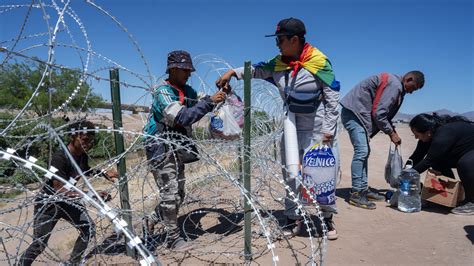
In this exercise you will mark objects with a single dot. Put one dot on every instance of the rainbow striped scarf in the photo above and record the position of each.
(312, 60)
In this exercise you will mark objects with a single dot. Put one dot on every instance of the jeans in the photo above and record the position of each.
(360, 142)
(46, 217)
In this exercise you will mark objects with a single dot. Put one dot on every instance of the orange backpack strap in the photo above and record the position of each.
(180, 92)
(379, 91)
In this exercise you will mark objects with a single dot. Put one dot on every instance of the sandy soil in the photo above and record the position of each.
(374, 237)
(388, 236)
(384, 236)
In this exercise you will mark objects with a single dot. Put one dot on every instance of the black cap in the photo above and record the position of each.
(180, 59)
(289, 27)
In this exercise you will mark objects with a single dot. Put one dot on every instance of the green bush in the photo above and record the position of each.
(24, 176)
(39, 148)
(104, 145)
(7, 169)
(11, 174)
(18, 81)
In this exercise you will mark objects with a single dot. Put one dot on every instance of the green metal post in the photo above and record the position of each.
(241, 167)
(246, 163)
(119, 149)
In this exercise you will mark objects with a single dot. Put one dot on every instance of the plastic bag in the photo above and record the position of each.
(393, 167)
(319, 176)
(228, 119)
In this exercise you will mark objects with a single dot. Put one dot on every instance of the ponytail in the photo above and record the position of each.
(426, 122)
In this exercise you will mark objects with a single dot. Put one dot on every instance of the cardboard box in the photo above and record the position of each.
(442, 190)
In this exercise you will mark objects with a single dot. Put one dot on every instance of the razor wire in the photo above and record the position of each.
(212, 212)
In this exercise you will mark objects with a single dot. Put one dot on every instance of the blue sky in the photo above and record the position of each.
(361, 38)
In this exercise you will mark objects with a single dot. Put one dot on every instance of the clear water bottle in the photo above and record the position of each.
(409, 199)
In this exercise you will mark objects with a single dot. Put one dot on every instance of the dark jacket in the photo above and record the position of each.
(448, 144)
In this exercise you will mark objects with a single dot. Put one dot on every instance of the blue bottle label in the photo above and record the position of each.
(404, 185)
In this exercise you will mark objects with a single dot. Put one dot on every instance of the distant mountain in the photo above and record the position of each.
(445, 112)
(469, 115)
(403, 117)
(407, 117)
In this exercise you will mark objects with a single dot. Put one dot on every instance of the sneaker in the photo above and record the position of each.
(466, 209)
(374, 196)
(359, 199)
(331, 233)
(292, 227)
(180, 245)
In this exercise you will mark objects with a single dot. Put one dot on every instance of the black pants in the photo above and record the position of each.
(465, 167)
(46, 215)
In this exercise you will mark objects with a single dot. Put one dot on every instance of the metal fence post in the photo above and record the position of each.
(246, 163)
(119, 149)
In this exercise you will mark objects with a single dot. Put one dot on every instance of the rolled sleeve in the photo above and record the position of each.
(257, 72)
(331, 100)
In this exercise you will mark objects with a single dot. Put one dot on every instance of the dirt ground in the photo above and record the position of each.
(388, 236)
(384, 236)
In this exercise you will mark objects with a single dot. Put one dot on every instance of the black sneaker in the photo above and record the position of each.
(292, 227)
(374, 196)
(359, 199)
(331, 233)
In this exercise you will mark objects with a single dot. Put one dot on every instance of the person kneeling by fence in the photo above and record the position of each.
(68, 204)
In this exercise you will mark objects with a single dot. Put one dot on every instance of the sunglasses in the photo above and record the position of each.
(279, 40)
